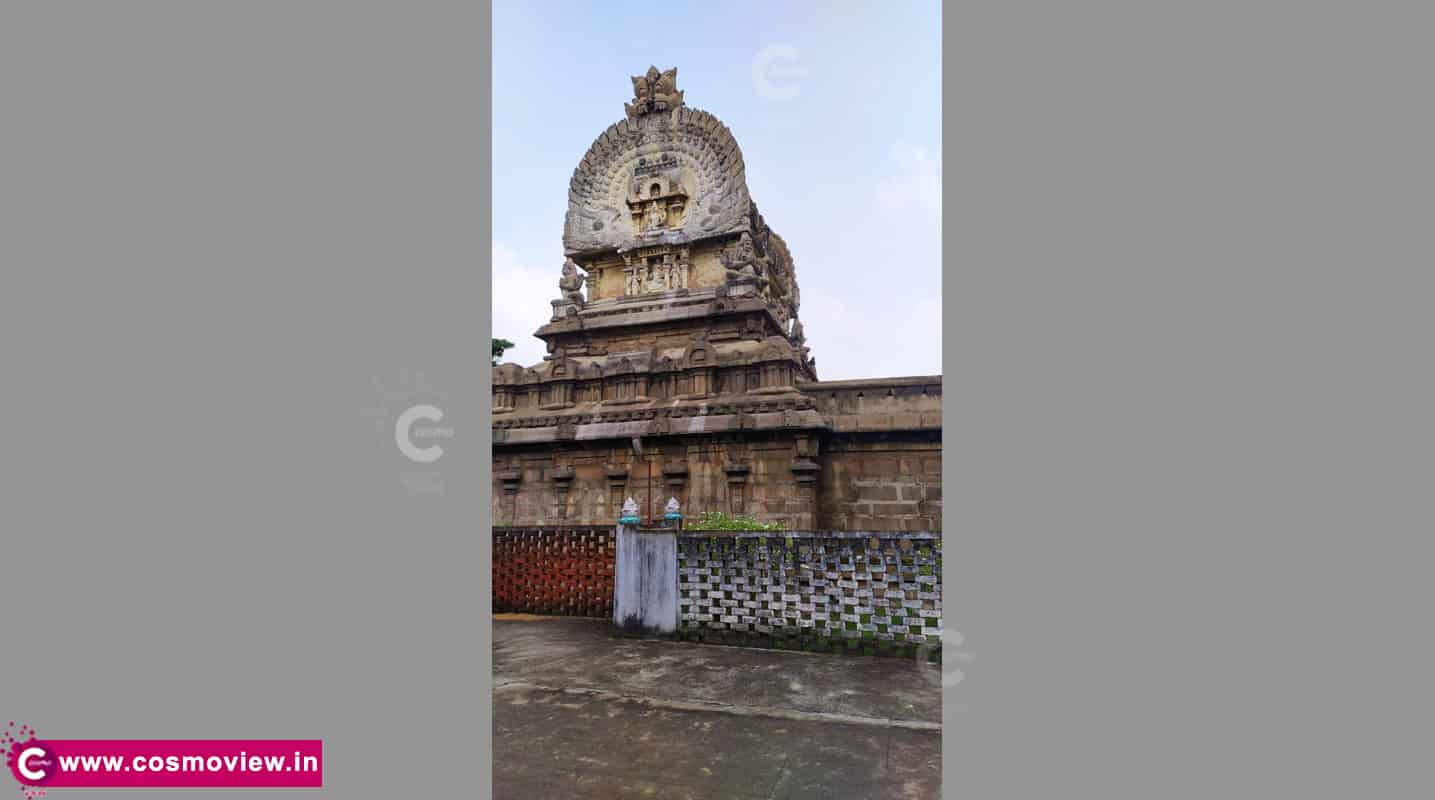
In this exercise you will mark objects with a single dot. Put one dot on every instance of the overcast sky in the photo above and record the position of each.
(839, 119)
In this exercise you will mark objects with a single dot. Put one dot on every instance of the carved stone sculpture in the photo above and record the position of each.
(571, 283)
(655, 91)
(642, 96)
(666, 95)
(656, 217)
(698, 170)
(740, 261)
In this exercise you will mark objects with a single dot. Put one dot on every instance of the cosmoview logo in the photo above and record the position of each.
(39, 766)
(408, 432)
(35, 762)
(410, 416)
(776, 73)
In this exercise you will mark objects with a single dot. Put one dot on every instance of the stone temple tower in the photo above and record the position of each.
(677, 365)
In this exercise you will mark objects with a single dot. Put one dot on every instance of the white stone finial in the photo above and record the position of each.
(672, 506)
(630, 507)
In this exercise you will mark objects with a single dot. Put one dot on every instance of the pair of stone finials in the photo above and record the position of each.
(630, 511)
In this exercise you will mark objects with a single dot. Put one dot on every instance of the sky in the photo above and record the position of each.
(837, 110)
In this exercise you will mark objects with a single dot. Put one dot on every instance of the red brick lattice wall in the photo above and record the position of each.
(564, 571)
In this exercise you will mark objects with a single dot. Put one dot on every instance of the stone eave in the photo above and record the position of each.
(670, 238)
(646, 423)
(885, 423)
(653, 309)
(870, 383)
(764, 400)
(652, 362)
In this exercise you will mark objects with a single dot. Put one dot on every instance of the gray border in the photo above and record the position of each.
(1188, 435)
(958, 597)
(482, 486)
(233, 235)
(955, 603)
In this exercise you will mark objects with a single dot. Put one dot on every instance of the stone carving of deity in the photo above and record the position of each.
(656, 216)
(740, 261)
(571, 283)
(655, 279)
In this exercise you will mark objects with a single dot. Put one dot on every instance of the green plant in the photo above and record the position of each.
(500, 345)
(718, 521)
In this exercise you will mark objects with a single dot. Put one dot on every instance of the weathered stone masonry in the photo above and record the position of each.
(684, 370)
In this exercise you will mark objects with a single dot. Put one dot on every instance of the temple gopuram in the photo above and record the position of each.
(677, 366)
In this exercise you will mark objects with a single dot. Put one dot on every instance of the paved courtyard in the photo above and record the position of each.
(581, 713)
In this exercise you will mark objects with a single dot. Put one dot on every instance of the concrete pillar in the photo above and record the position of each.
(645, 581)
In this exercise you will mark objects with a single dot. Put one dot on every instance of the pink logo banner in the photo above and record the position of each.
(167, 763)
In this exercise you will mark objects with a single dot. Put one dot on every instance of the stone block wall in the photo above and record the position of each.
(566, 571)
(586, 483)
(881, 482)
(871, 593)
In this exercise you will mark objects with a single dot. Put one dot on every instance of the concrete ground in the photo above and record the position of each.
(582, 713)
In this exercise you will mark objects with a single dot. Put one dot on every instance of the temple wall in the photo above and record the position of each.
(887, 480)
(707, 269)
(878, 396)
(576, 484)
(875, 484)
(609, 278)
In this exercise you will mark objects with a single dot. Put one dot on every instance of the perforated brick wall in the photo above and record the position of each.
(875, 593)
(565, 571)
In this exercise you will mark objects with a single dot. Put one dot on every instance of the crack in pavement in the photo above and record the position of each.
(782, 774)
